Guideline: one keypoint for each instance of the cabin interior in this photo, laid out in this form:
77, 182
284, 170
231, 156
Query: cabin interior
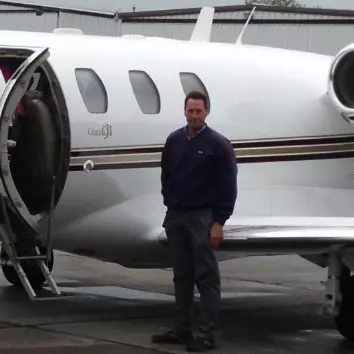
35, 156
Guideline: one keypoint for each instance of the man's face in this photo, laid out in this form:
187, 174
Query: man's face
196, 113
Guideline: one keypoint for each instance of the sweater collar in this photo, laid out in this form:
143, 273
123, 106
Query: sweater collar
198, 132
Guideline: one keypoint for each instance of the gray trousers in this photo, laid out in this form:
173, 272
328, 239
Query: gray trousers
194, 263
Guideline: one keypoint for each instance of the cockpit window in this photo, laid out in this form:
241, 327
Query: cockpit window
92, 91
145, 91
191, 82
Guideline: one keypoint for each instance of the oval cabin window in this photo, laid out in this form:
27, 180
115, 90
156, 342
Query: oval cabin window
145, 92
191, 82
92, 91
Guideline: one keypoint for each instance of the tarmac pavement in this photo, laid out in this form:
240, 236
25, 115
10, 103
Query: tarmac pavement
270, 305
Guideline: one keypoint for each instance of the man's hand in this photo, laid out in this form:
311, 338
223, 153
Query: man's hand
216, 234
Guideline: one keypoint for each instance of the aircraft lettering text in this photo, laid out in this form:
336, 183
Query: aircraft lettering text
105, 131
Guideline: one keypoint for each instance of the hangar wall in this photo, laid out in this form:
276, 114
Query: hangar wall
315, 30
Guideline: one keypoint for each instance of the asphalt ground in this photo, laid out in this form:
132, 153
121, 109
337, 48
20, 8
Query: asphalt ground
270, 305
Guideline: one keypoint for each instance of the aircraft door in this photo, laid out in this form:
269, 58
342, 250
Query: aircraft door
16, 87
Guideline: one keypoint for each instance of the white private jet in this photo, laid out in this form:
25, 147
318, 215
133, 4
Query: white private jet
84, 167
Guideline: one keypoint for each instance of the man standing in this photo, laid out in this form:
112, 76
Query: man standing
199, 187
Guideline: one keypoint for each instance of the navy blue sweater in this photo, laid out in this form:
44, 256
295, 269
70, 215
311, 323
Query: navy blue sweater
199, 172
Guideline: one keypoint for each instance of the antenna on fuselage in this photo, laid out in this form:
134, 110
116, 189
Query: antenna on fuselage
240, 37
204, 25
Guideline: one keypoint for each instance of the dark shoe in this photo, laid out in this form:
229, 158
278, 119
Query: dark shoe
201, 344
172, 337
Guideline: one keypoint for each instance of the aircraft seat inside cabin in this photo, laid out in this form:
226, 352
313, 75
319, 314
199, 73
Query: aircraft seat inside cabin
33, 160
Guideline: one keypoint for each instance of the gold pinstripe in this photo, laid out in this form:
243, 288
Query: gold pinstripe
124, 158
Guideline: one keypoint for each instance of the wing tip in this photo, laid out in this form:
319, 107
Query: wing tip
203, 27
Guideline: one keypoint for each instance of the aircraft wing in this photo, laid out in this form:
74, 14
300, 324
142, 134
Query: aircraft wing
286, 235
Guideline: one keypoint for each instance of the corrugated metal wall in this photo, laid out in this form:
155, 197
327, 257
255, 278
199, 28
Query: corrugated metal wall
89, 24
167, 30
320, 38
12, 8
28, 21
323, 39
261, 15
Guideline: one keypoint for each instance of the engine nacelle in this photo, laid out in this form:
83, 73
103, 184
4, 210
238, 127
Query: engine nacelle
341, 82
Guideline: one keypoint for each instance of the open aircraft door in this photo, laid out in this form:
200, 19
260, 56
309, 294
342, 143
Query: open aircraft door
16, 87
34, 164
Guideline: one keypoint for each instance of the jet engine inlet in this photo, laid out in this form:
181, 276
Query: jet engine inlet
343, 80
341, 83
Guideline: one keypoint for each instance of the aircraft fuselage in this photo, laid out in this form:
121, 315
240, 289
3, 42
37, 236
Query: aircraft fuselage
125, 95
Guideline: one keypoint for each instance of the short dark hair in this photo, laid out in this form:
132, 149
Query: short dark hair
197, 95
